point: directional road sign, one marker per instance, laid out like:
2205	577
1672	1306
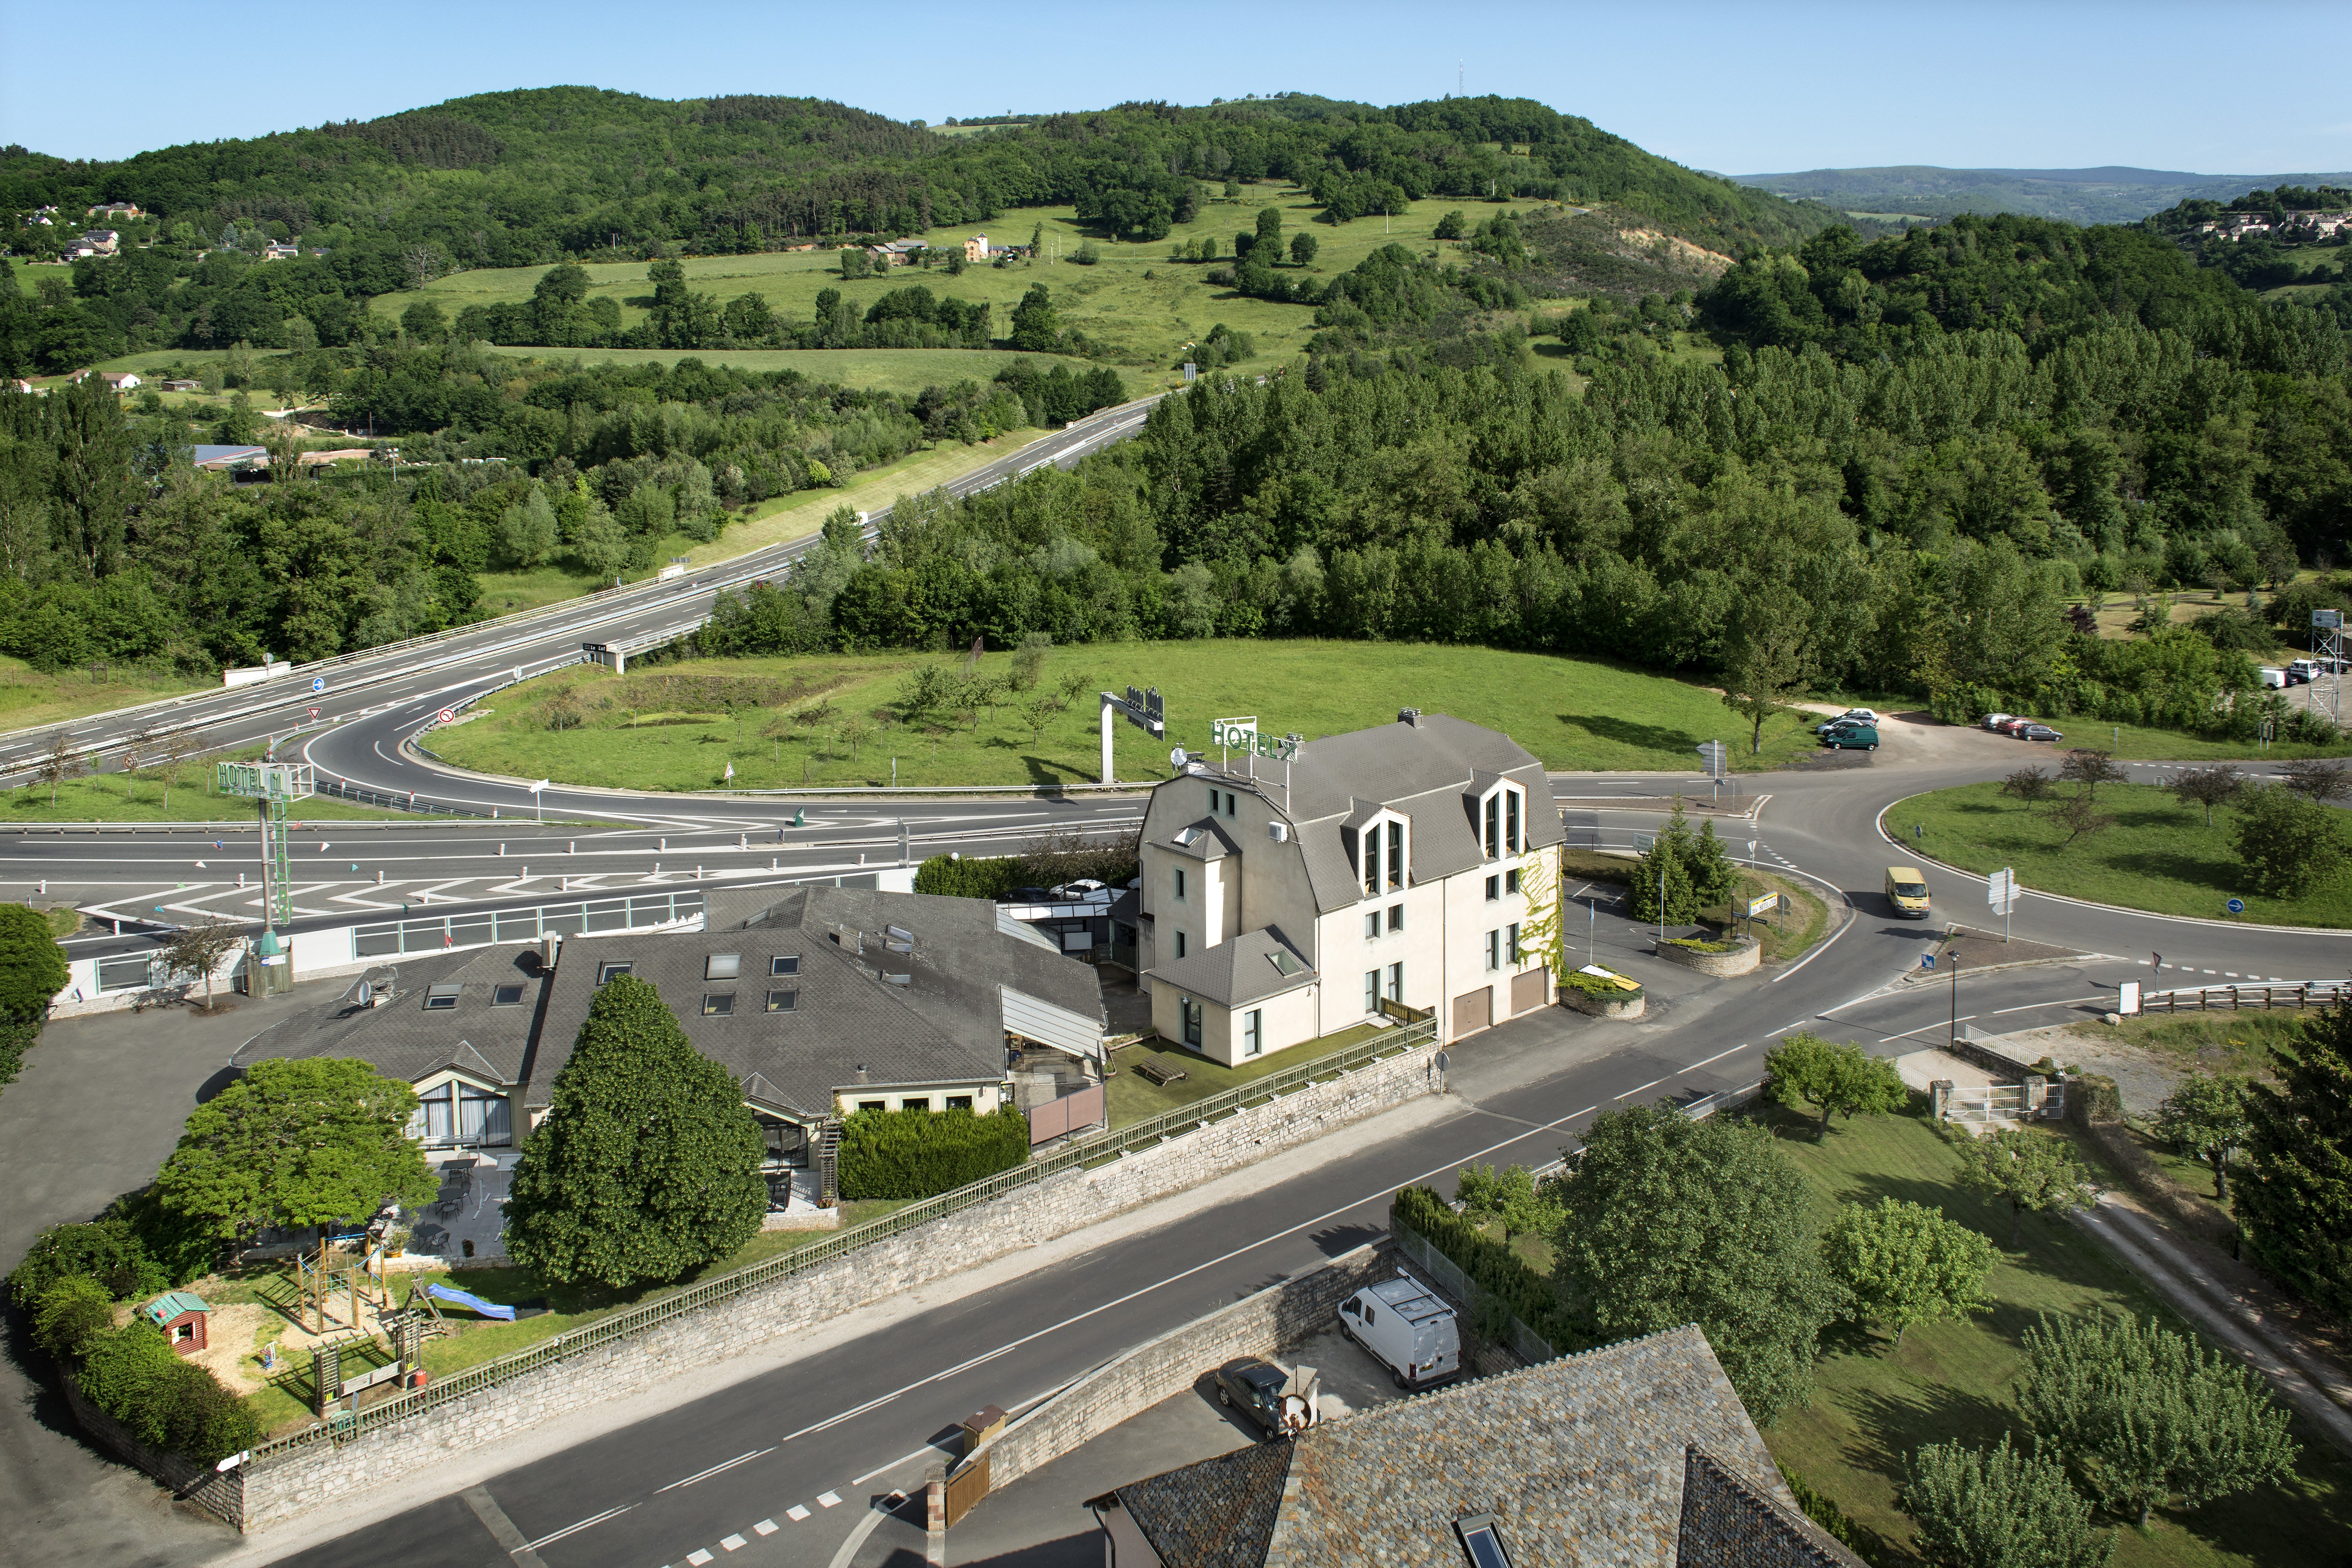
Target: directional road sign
1712	753
2001	890
317	683
2237	906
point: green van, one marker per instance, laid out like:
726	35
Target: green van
1852	738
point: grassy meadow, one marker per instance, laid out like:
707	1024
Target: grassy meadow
2160	856
827	720
31	697
1951	1380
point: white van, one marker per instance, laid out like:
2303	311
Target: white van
1403	1323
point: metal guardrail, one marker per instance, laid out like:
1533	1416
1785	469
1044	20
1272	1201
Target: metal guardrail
637	1320
2244	997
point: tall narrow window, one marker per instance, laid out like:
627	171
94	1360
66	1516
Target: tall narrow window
1191	1016
1372	859
1253	1036
1396	983
1511	820
1396	855
1493	950
1511	941
1180	881
1371	990
1371	924
1493	828
1179	945
1396	917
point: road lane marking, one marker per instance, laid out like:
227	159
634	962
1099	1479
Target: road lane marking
503	1528
698	1557
796	1513
765	1527
734	1543
706	1475
828	1499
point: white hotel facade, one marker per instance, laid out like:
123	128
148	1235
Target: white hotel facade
1286	901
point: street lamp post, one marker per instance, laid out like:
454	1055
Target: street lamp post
1956	996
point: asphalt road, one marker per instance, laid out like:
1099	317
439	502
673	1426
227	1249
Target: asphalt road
453	663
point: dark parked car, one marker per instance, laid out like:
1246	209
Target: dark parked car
2038	732
1256	1385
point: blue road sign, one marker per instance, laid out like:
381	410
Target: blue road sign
317	683
2237	906
1927	961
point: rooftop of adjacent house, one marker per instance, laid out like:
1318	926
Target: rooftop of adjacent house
173	1304
1639	1454
477	1011
1248	968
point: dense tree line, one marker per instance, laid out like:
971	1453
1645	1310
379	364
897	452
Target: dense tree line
116	551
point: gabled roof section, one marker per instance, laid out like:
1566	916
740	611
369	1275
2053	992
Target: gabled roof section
467	1059
1202	840
1248	968
1727	1522
1219	1514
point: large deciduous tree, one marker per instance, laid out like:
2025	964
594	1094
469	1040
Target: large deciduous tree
2205	1115
2287	841
294	1144
32	966
2144	1415
1842	1078
2026	1171
1672	1221
1034	325
1767	655
647	1165
2295	1196
1903	1264
1998	1508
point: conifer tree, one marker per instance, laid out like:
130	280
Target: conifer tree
2295	1199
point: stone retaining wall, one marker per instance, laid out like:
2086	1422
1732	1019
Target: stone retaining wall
1604	1007
325	1475
1746	954
218	1494
1265	1325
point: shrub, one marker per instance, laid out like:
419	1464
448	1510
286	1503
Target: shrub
1490	1265
71	1314
16	1037
134	1375
1598	986
108	1251
32	964
921	1153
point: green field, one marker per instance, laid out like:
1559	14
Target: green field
30	698
907	371
1953	1380
1573	713
2160	856
1146	320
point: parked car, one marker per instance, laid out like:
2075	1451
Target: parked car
1865	714
2272	675
1995	720
2015	725
1027	896
1844	721
2038	732
1404	1324
1852	738
1282	1403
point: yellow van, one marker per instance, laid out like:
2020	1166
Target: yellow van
1907	891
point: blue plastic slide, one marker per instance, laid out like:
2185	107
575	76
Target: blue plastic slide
452	1294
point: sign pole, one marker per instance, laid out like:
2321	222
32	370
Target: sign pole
1107	700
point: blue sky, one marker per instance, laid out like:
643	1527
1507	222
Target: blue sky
1739	88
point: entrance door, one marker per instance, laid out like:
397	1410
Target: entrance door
1473	1011
1532	989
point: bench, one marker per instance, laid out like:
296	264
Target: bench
1160	1070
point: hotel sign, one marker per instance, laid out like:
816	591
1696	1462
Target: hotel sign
1242	735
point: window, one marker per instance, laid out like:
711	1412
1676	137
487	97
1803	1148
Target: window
1189	1012
959	1102
1396	982
1480	1542
1371	924
1511	941
784	964
917	1102
1511	820
723	966
1493	950
1371	860
783	1001
873	1104
1494	827
1494	888
1180	881
441	998
1179	945
606	971
1229	803
1396	855
1510	880
506	996
1253	1036
1371	990
718	1004
1396	917
457	1112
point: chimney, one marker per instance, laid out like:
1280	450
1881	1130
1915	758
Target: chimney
1409	716
861	1072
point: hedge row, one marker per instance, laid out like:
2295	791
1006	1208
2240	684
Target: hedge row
921	1153
133	1375
1489	1264
972	876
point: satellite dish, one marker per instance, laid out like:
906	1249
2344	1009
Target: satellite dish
1177	758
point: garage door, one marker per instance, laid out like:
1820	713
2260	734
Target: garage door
1473	1011
1532	989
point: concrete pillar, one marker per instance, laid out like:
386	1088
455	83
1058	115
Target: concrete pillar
1106	777
2037	1090
935	1516
1939	1099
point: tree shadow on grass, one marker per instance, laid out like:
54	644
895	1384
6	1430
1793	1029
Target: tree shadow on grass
1627	732
1902	1414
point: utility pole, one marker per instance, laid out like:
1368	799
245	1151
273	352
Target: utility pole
1956	997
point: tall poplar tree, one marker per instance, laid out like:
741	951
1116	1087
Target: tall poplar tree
2294	1198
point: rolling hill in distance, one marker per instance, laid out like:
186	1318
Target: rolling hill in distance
2110	195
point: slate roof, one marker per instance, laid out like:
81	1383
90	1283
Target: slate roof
946	1025
1429	772
1237	973
1583	1461
1202	840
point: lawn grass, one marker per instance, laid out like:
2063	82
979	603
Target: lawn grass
2222	1041
107	798
2160	856
907	371
1573	713
1129	1097
30	698
1801	922
1950	1381
1144	321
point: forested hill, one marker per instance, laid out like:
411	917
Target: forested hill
531	176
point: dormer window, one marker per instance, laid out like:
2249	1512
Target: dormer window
1504	813
1382	857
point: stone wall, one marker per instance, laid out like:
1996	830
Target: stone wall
1743	957
1265	1325
325	1475
222	1495
1631	1005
